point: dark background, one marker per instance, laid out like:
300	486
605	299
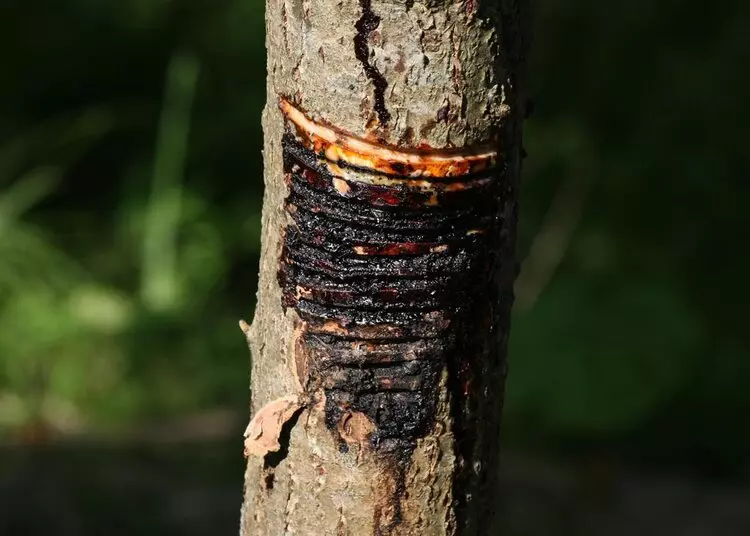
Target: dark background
130	191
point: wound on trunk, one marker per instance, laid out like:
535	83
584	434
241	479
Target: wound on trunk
384	255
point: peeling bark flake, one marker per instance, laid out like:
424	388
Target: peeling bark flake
263	433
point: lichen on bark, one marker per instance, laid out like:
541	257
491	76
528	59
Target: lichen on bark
437	75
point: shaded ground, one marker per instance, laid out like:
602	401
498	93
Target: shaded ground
193	487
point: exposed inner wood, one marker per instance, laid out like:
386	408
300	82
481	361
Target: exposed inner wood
338	146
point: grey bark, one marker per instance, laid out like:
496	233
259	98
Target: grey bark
444	74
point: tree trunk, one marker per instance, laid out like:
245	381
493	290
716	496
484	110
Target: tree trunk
392	154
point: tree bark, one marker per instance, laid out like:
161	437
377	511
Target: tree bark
378	369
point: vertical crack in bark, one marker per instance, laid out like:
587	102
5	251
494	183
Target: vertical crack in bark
284	26
365	26
288	503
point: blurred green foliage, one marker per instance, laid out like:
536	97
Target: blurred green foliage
131	187
130	190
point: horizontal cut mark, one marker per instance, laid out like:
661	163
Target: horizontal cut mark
334	230
357	317
338	146
381	369
401	248
367	293
406	247
324	322
401	196
440	283
337	266
406	349
426	350
364	214
365	381
294	152
380	299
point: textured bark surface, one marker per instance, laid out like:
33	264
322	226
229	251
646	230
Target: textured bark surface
413	75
